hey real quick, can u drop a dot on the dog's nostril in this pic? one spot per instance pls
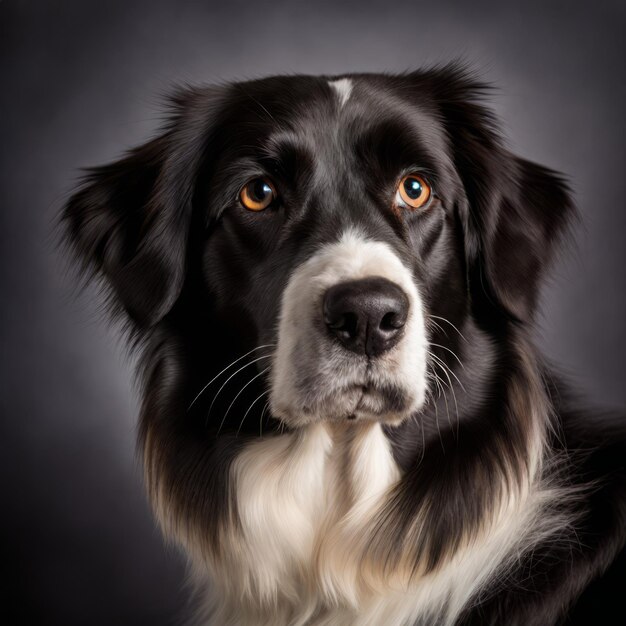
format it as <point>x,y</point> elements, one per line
<point>346,324</point>
<point>367,315</point>
<point>392,321</point>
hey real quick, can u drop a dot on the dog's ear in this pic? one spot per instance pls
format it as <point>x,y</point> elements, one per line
<point>129,222</point>
<point>516,210</point>
<point>520,232</point>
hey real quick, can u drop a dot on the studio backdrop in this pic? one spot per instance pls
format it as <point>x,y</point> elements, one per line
<point>83,81</point>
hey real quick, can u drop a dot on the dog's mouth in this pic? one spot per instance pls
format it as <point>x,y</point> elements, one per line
<point>381,401</point>
<point>367,401</point>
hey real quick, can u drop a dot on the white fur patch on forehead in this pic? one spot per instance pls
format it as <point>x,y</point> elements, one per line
<point>343,87</point>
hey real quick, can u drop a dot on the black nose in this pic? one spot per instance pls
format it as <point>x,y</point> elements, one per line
<point>366,315</point>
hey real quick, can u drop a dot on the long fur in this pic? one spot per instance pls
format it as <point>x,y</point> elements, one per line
<point>451,480</point>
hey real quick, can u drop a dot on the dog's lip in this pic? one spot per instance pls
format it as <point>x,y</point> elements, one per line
<point>357,408</point>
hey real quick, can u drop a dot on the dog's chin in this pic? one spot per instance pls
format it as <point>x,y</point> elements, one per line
<point>388,405</point>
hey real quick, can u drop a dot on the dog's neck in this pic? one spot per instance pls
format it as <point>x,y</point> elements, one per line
<point>325,516</point>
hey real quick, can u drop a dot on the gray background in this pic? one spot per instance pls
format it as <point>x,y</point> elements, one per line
<point>80,82</point>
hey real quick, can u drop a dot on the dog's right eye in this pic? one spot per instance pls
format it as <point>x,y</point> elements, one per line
<point>257,194</point>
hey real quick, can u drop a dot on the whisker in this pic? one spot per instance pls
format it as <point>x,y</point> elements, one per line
<point>423,441</point>
<point>441,380</point>
<point>450,351</point>
<point>267,345</point>
<point>230,406</point>
<point>443,319</point>
<point>445,370</point>
<point>441,392</point>
<point>269,415</point>
<point>420,423</point>
<point>438,383</point>
<point>446,367</point>
<point>265,407</point>
<point>456,406</point>
<point>445,399</point>
<point>249,409</point>
<point>266,356</point>
<point>437,325</point>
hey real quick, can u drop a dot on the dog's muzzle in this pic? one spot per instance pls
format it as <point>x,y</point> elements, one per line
<point>351,338</point>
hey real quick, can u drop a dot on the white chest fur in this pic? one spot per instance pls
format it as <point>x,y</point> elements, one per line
<point>306,502</point>
<point>302,499</point>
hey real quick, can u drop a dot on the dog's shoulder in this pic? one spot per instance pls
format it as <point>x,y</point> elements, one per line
<point>595,444</point>
<point>595,441</point>
<point>584,567</point>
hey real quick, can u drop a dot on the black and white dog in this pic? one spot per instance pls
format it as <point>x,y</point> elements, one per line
<point>345,421</point>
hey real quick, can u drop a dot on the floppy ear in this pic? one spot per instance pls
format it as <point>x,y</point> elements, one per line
<point>516,210</point>
<point>129,222</point>
<point>521,231</point>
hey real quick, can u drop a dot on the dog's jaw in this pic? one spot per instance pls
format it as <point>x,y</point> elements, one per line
<point>313,378</point>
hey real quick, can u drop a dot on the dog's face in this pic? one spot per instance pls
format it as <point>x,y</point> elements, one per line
<point>330,221</point>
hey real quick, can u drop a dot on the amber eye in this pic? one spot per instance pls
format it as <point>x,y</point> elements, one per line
<point>413,192</point>
<point>257,194</point>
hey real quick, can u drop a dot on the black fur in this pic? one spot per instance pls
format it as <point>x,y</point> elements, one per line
<point>201,281</point>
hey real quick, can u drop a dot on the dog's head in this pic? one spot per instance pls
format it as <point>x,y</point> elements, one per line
<point>334,220</point>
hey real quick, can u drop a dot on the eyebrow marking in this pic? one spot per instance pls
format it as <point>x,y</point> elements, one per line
<point>343,87</point>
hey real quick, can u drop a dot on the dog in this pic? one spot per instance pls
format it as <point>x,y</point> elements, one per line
<point>332,282</point>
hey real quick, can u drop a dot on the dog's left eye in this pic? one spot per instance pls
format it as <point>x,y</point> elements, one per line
<point>413,192</point>
<point>257,194</point>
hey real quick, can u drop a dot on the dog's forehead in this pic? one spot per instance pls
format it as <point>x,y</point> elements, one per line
<point>334,145</point>
<point>342,87</point>
<point>319,110</point>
